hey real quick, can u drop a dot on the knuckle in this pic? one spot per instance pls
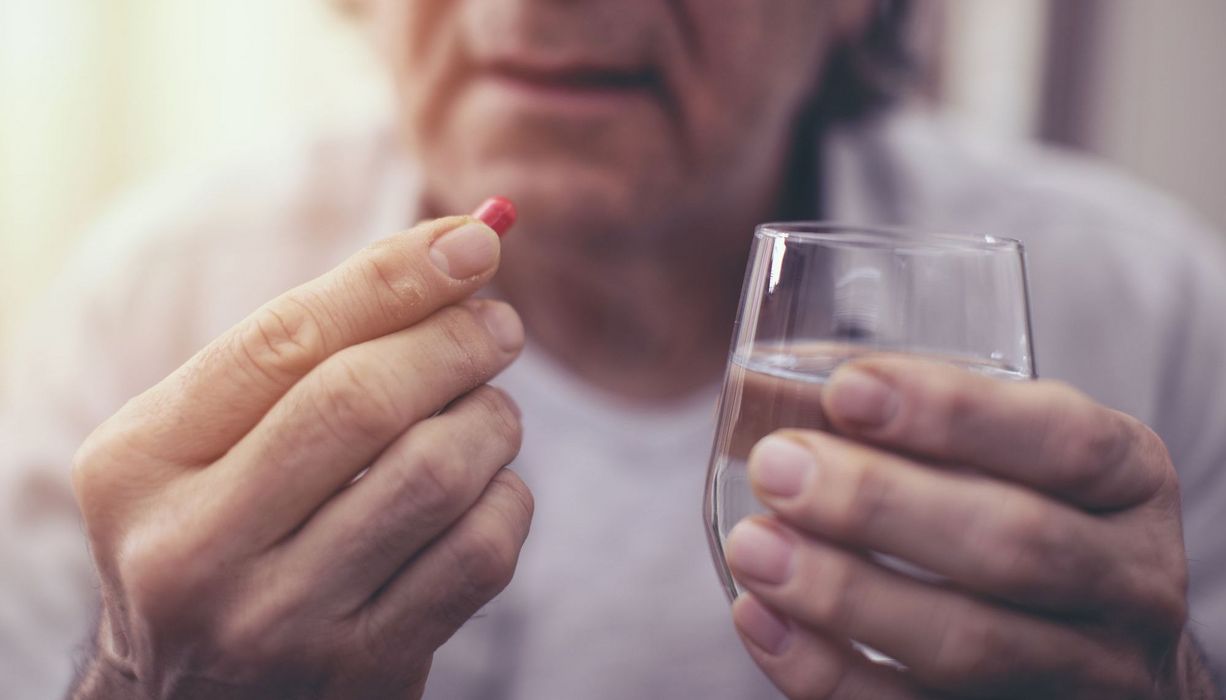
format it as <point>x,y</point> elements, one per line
<point>430,482</point>
<point>400,288</point>
<point>102,480</point>
<point>458,606</point>
<point>1158,470</point>
<point>1171,605</point>
<point>867,498</point>
<point>284,337</point>
<point>353,398</point>
<point>965,648</point>
<point>823,675</point>
<point>381,643</point>
<point>1095,444</point>
<point>503,416</point>
<point>1080,444</point>
<point>1162,600</point>
<point>486,556</point>
<point>955,406</point>
<point>517,503</point>
<point>1017,548</point>
<point>1032,550</point>
<point>485,560</point>
<point>466,348</point>
<point>161,570</point>
<point>88,473</point>
<point>830,599</point>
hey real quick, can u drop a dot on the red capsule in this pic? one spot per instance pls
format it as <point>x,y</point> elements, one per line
<point>498,213</point>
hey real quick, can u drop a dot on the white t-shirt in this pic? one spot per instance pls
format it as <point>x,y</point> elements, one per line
<point>615,595</point>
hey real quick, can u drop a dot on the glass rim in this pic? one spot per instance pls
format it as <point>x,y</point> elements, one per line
<point>839,234</point>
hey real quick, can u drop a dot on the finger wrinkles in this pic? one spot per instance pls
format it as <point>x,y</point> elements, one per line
<point>401,290</point>
<point>435,480</point>
<point>385,647</point>
<point>417,488</point>
<point>461,570</point>
<point>346,411</point>
<point>1150,590</point>
<point>517,505</point>
<point>947,639</point>
<point>283,340</point>
<point>215,399</point>
<point>429,483</point>
<point>966,652</point>
<point>984,654</point>
<point>1082,448</point>
<point>484,558</point>
<point>855,493</point>
<point>1012,539</point>
<point>466,345</point>
<point>1043,434</point>
<point>869,494</point>
<point>1031,551</point>
<point>831,590</point>
<point>369,394</point>
<point>502,417</point>
<point>937,406</point>
<point>1001,540</point>
<point>352,399</point>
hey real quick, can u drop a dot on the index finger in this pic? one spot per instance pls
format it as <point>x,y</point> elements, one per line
<point>1042,434</point>
<point>218,395</point>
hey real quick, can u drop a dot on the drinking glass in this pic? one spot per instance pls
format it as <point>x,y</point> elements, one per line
<point>818,294</point>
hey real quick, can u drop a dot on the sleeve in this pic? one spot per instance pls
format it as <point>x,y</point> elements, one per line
<point>1192,422</point>
<point>72,365</point>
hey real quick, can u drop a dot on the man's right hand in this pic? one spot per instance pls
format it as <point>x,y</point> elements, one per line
<point>239,553</point>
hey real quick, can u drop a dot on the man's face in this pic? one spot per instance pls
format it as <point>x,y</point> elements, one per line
<point>614,113</point>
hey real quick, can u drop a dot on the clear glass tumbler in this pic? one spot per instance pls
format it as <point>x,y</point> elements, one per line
<point>817,294</point>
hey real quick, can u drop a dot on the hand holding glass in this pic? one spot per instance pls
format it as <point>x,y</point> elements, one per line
<point>816,295</point>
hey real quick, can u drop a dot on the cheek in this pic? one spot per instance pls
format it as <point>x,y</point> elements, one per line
<point>419,40</point>
<point>759,61</point>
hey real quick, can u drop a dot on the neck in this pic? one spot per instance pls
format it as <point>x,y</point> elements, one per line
<point>643,324</point>
<point>649,316</point>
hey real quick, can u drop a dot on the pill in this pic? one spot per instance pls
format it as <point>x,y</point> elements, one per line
<point>498,213</point>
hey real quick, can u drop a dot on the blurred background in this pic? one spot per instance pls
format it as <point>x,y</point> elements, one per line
<point>99,97</point>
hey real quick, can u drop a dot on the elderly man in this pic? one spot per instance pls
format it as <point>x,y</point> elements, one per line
<point>316,503</point>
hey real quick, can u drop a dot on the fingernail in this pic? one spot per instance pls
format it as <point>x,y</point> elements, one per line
<point>860,397</point>
<point>759,552</point>
<point>465,251</point>
<point>503,324</point>
<point>764,628</point>
<point>779,467</point>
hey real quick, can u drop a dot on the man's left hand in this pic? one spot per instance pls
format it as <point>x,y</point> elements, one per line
<point>1050,525</point>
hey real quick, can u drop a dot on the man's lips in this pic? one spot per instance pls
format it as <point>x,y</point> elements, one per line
<point>574,85</point>
<point>577,76</point>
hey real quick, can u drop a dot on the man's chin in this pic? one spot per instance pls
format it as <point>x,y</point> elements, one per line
<point>558,198</point>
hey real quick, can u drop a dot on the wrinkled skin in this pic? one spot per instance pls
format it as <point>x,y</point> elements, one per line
<point>642,139</point>
<point>1052,524</point>
<point>239,558</point>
